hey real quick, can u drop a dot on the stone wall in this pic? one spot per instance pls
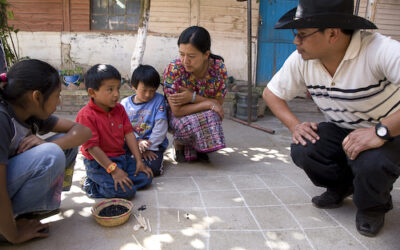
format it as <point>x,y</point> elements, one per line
<point>72,100</point>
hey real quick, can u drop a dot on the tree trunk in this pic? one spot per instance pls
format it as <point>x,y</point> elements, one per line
<point>138,52</point>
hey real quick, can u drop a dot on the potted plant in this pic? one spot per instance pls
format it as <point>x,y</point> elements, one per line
<point>72,76</point>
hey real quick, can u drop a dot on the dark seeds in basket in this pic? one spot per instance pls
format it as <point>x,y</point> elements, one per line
<point>113,210</point>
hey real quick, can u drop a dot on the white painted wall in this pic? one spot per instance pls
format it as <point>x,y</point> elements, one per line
<point>89,48</point>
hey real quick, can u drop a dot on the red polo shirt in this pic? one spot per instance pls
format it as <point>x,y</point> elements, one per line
<point>108,129</point>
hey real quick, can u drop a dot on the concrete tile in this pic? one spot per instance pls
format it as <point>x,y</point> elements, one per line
<point>237,240</point>
<point>272,218</point>
<point>171,184</point>
<point>191,199</point>
<point>246,181</point>
<point>276,180</point>
<point>231,219</point>
<point>332,238</point>
<point>214,183</point>
<point>287,240</point>
<point>222,199</point>
<point>299,177</point>
<point>169,219</point>
<point>309,216</point>
<point>173,240</point>
<point>259,197</point>
<point>291,195</point>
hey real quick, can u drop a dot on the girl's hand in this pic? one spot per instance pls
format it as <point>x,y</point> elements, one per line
<point>149,155</point>
<point>184,96</point>
<point>29,142</point>
<point>141,167</point>
<point>144,145</point>
<point>29,229</point>
<point>217,108</point>
<point>120,178</point>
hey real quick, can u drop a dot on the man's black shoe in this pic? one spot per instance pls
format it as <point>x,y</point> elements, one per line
<point>369,224</point>
<point>330,199</point>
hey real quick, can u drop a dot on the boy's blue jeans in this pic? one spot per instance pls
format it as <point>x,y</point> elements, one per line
<point>100,184</point>
<point>35,177</point>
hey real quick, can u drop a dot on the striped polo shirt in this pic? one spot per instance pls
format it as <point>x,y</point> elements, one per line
<point>364,89</point>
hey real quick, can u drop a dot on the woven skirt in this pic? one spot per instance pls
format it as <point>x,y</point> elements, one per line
<point>199,132</point>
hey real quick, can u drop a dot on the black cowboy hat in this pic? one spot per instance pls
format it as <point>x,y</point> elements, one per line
<point>323,14</point>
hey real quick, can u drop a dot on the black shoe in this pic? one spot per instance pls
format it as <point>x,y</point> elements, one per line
<point>203,157</point>
<point>330,199</point>
<point>180,156</point>
<point>369,224</point>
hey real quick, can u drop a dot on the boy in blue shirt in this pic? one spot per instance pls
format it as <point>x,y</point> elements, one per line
<point>147,112</point>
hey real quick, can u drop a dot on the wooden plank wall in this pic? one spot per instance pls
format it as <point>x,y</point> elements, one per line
<point>386,17</point>
<point>225,17</point>
<point>37,15</point>
<point>228,18</point>
<point>80,15</point>
<point>169,16</point>
<point>51,15</point>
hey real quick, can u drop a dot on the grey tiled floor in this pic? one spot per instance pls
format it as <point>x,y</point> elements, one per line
<point>251,196</point>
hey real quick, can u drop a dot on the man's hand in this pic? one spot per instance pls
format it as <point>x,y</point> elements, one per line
<point>144,145</point>
<point>29,229</point>
<point>360,140</point>
<point>184,96</point>
<point>305,130</point>
<point>149,155</point>
<point>141,167</point>
<point>120,178</point>
<point>29,142</point>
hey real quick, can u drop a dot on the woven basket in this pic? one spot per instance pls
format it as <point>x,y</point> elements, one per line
<point>114,220</point>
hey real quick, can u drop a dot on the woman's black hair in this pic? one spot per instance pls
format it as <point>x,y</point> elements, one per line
<point>146,74</point>
<point>30,75</point>
<point>199,38</point>
<point>99,72</point>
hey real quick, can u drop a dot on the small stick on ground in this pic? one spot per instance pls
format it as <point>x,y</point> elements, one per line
<point>179,220</point>
<point>148,222</point>
<point>137,241</point>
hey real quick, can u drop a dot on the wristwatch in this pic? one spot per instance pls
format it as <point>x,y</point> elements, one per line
<point>382,132</point>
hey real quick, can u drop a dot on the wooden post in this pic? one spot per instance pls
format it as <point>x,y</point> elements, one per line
<point>66,15</point>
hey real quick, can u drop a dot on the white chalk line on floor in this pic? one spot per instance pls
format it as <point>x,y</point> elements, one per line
<point>330,216</point>
<point>251,212</point>
<point>291,214</point>
<point>207,216</point>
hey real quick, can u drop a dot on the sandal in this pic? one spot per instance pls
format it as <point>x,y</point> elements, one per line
<point>180,156</point>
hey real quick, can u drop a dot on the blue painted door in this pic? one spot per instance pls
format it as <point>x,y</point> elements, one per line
<point>274,46</point>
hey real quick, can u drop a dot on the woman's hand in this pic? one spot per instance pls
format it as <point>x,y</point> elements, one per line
<point>184,96</point>
<point>141,167</point>
<point>144,145</point>
<point>29,229</point>
<point>149,155</point>
<point>215,106</point>
<point>29,142</point>
<point>120,178</point>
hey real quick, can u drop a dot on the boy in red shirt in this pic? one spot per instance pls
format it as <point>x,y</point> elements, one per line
<point>110,171</point>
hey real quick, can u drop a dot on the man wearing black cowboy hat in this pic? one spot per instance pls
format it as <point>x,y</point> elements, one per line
<point>353,77</point>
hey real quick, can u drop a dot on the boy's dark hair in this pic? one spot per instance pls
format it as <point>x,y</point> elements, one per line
<point>99,72</point>
<point>199,38</point>
<point>30,75</point>
<point>146,74</point>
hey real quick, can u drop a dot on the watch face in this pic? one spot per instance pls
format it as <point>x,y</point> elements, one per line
<point>381,131</point>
